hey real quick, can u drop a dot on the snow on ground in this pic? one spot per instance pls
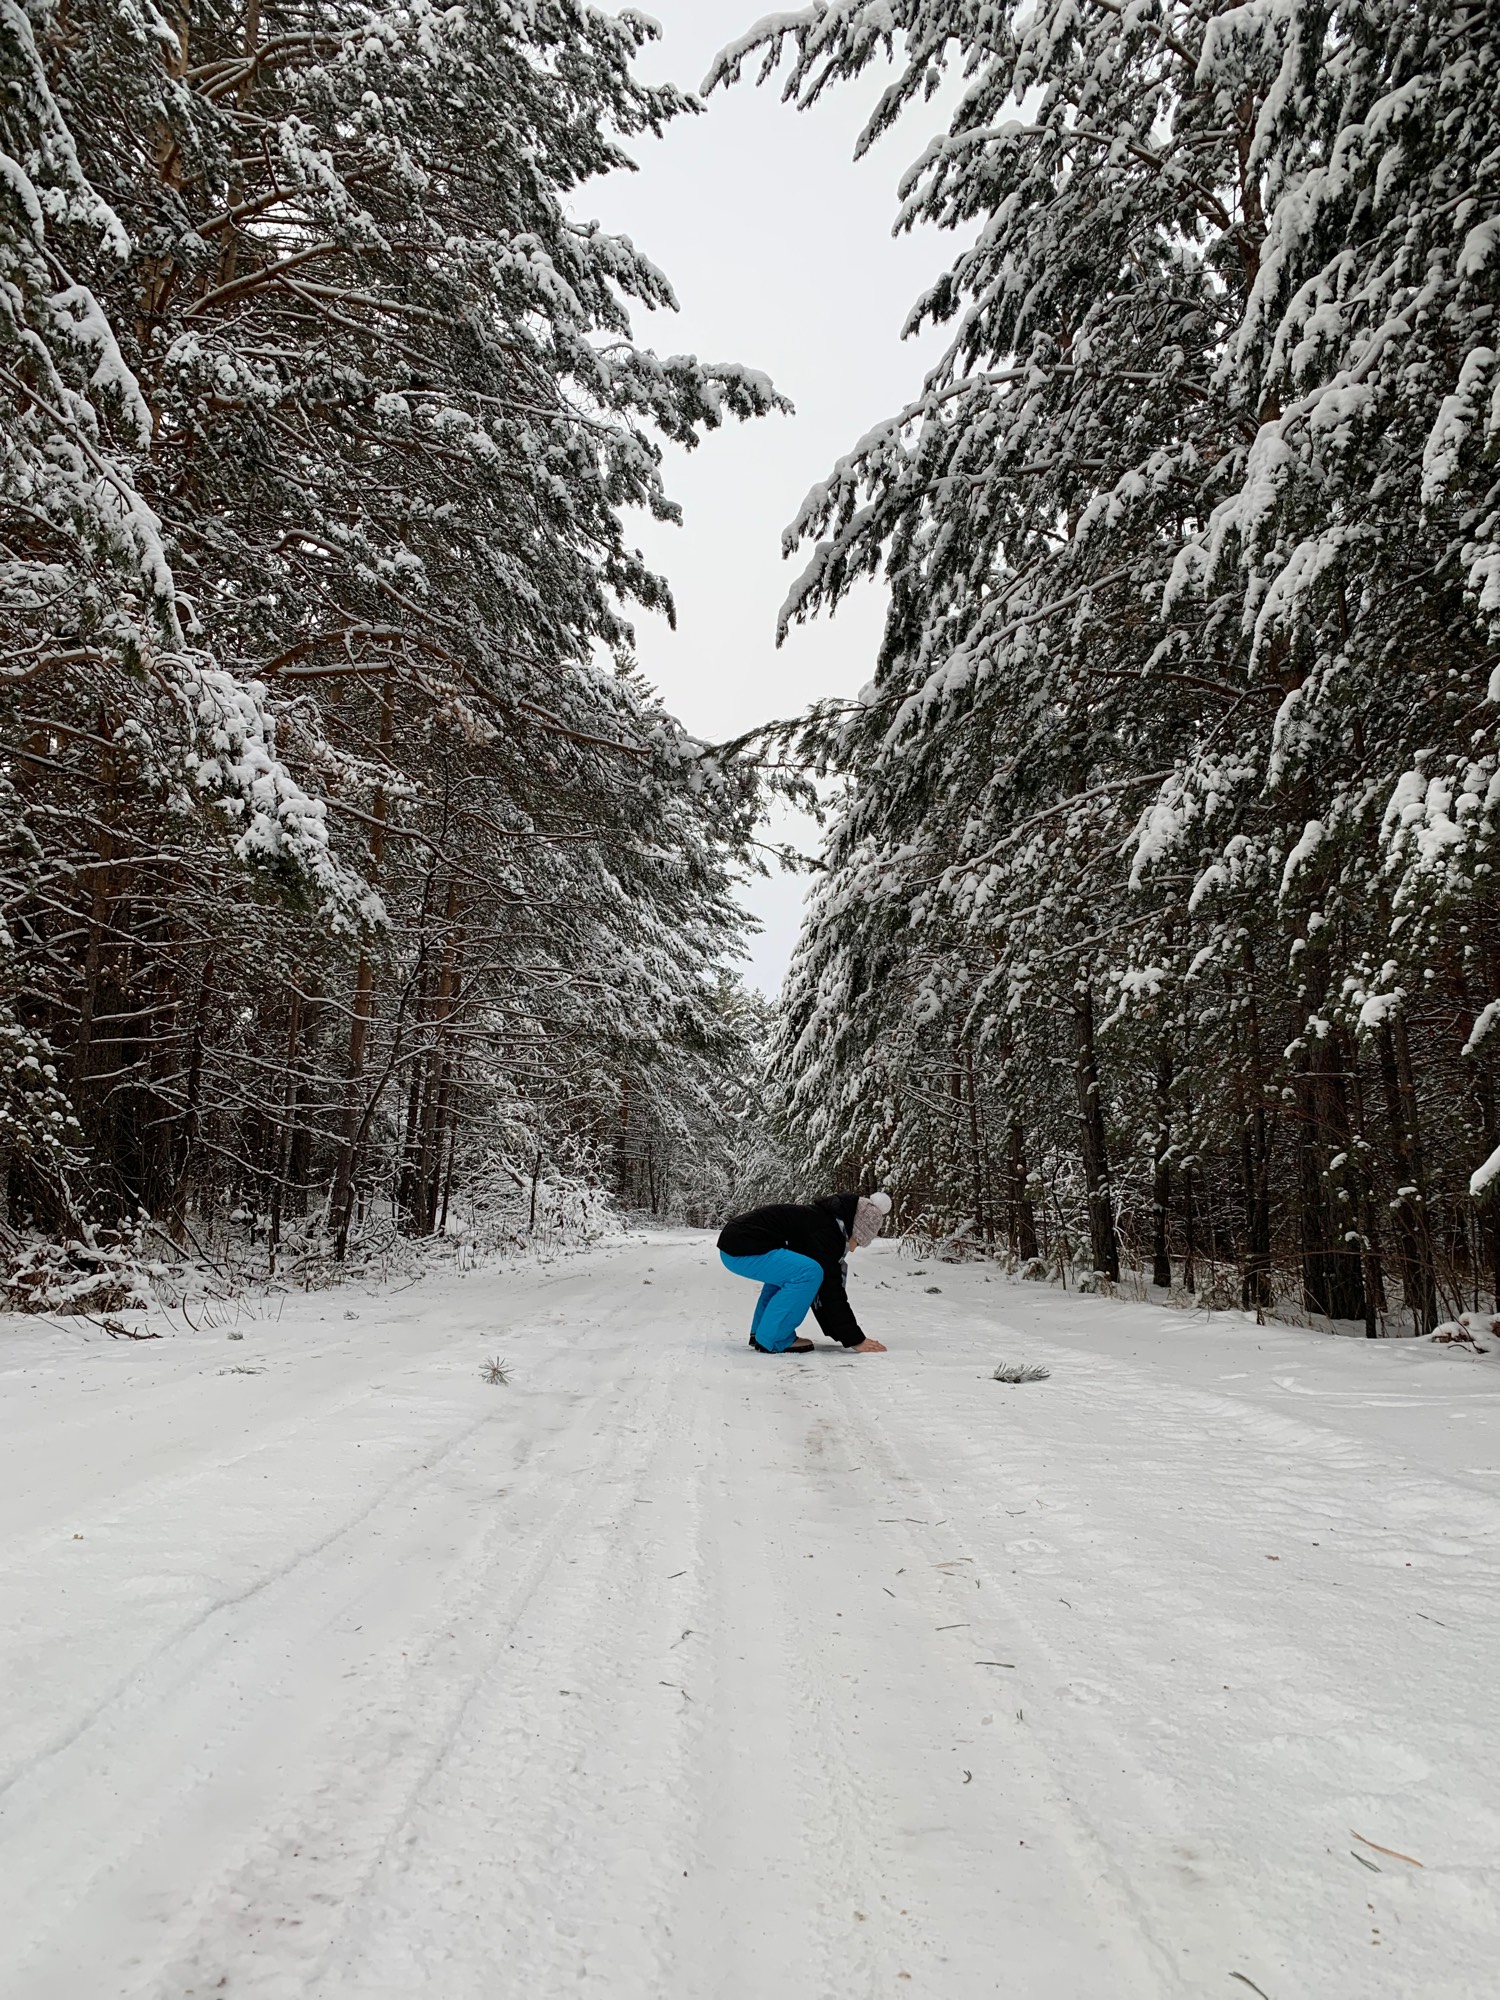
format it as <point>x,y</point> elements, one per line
<point>674,1671</point>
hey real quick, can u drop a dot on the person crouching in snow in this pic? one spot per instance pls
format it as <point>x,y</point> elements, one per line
<point>796,1254</point>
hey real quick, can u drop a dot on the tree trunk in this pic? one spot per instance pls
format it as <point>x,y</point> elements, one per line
<point>981,1220</point>
<point>448,1171</point>
<point>450,987</point>
<point>1332,1254</point>
<point>1488,1217</point>
<point>1189,1232</point>
<point>184,1164</point>
<point>1374,1285</point>
<point>1257,1138</point>
<point>1023,1241</point>
<point>284,1134</point>
<point>1408,1208</point>
<point>1093,1143</point>
<point>1161,1172</point>
<point>341,1198</point>
<point>92,966</point>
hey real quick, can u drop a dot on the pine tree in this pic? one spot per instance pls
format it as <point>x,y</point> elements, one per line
<point>364,851</point>
<point>1176,753</point>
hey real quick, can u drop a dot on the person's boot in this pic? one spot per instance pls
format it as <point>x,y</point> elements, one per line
<point>797,1347</point>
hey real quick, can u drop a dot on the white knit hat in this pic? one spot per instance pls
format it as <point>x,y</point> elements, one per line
<point>869,1219</point>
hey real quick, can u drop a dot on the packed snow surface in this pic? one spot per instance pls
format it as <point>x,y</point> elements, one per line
<point>666,1669</point>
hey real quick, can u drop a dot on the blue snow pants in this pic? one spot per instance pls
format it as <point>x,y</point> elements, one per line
<point>789,1284</point>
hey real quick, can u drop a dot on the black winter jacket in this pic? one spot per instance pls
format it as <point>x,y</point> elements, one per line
<point>818,1229</point>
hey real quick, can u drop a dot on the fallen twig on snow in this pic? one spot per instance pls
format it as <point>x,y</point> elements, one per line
<point>1021,1371</point>
<point>1394,1852</point>
<point>118,1330</point>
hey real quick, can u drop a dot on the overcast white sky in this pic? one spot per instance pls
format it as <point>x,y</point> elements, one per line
<point>779,250</point>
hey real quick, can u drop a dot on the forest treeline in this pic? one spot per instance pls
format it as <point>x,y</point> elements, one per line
<point>343,852</point>
<point>346,859</point>
<point>1158,920</point>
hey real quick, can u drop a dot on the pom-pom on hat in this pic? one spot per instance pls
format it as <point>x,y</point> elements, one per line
<point>869,1219</point>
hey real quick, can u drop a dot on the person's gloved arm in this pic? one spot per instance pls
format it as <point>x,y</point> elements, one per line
<point>833,1312</point>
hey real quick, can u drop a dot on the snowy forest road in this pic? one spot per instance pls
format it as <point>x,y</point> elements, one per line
<point>669,1671</point>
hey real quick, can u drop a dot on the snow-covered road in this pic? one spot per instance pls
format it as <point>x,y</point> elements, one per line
<point>672,1671</point>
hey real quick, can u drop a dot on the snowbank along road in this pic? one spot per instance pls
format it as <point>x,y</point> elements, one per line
<point>668,1669</point>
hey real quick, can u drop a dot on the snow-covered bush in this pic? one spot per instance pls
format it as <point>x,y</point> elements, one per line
<point>76,1277</point>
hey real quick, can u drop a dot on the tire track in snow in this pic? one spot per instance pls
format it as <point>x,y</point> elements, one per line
<point>165,1784</point>
<point>539,1853</point>
<point>846,1852</point>
<point>1135,1920</point>
<point>782,1829</point>
<point>137,1689</point>
<point>1169,1529</point>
